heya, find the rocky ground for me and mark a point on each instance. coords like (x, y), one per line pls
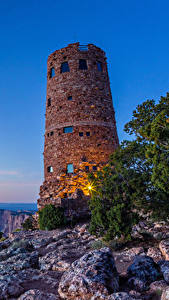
(72, 264)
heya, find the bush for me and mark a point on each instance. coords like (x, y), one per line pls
(98, 244)
(51, 217)
(28, 224)
(17, 230)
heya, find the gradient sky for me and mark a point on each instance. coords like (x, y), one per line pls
(135, 37)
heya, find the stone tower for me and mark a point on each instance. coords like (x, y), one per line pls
(80, 129)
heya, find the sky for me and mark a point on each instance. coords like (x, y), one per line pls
(135, 36)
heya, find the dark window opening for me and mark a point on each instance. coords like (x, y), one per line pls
(48, 134)
(84, 159)
(80, 133)
(60, 107)
(49, 102)
(64, 67)
(98, 145)
(69, 98)
(87, 168)
(70, 168)
(65, 195)
(94, 168)
(88, 133)
(99, 66)
(52, 72)
(51, 133)
(68, 129)
(82, 64)
(50, 169)
(80, 102)
(64, 57)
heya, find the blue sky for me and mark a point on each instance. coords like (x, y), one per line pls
(135, 37)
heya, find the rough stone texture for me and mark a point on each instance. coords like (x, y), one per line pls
(164, 268)
(92, 273)
(37, 295)
(164, 248)
(114, 296)
(142, 272)
(154, 253)
(158, 286)
(165, 294)
(89, 111)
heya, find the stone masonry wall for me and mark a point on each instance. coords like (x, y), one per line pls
(81, 99)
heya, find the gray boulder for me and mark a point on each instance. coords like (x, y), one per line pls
(37, 295)
(164, 268)
(92, 273)
(165, 294)
(142, 272)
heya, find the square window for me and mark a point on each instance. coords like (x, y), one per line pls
(88, 133)
(64, 67)
(50, 169)
(49, 102)
(52, 72)
(70, 168)
(68, 129)
(80, 133)
(94, 168)
(69, 98)
(51, 133)
(82, 64)
(99, 66)
(48, 134)
(87, 168)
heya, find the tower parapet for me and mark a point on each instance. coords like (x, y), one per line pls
(80, 128)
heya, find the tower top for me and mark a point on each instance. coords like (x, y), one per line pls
(78, 47)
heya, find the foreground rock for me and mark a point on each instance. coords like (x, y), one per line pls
(94, 272)
(164, 248)
(32, 266)
(165, 294)
(142, 272)
(37, 295)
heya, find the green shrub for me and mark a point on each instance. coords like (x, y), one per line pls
(28, 224)
(2, 239)
(17, 230)
(98, 244)
(51, 217)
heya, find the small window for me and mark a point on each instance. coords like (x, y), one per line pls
(87, 168)
(70, 168)
(82, 64)
(68, 129)
(80, 133)
(51, 133)
(48, 134)
(94, 168)
(99, 66)
(50, 169)
(52, 72)
(88, 133)
(69, 98)
(64, 67)
(49, 102)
